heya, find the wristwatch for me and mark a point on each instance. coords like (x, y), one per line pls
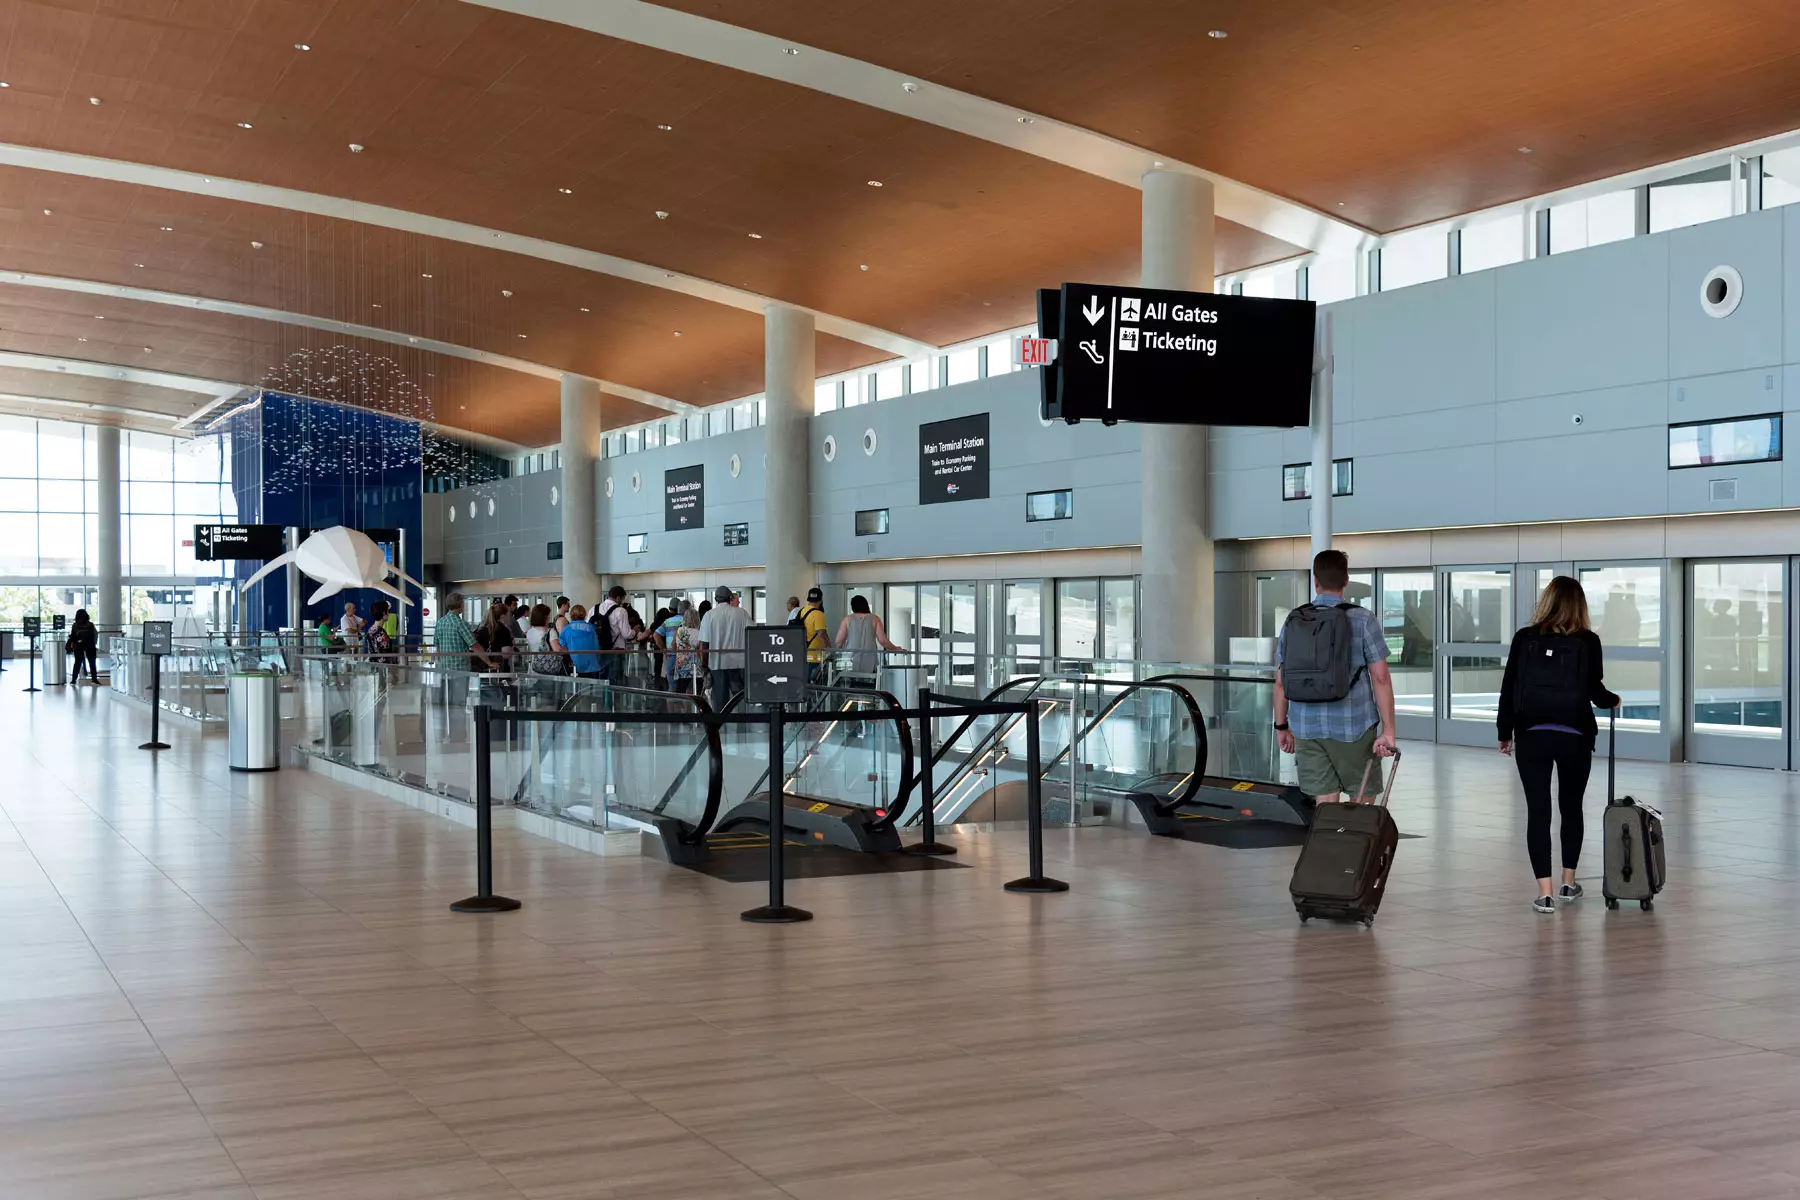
(1281, 727)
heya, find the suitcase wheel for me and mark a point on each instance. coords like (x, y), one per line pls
(1611, 903)
(1646, 905)
(1369, 920)
(1304, 918)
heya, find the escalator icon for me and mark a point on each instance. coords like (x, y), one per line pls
(1092, 350)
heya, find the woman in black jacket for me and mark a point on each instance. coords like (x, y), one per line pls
(84, 644)
(1554, 680)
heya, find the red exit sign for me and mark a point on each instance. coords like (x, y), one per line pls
(1034, 352)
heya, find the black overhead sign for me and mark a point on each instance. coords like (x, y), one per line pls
(684, 498)
(738, 534)
(1177, 358)
(953, 460)
(214, 543)
(774, 664)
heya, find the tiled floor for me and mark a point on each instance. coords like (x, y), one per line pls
(225, 987)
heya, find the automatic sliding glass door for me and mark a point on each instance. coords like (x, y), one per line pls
(1478, 627)
(1408, 611)
(1737, 635)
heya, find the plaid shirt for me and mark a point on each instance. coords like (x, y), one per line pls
(1348, 719)
(453, 640)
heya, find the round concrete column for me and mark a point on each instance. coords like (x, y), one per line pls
(580, 455)
(109, 605)
(787, 453)
(1176, 611)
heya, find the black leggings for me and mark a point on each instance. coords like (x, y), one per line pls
(1535, 752)
(87, 655)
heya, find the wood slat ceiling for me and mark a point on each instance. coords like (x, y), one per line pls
(482, 116)
(366, 275)
(83, 389)
(1403, 112)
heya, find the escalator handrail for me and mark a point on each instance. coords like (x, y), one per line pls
(1165, 806)
(908, 777)
(942, 747)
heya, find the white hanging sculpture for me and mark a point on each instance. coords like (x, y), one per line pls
(341, 558)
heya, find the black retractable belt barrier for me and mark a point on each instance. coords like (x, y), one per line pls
(1036, 881)
(928, 798)
(484, 900)
(155, 742)
(777, 911)
(31, 670)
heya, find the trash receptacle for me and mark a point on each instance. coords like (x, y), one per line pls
(253, 720)
(54, 670)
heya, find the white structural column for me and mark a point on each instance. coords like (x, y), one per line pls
(108, 570)
(788, 353)
(579, 451)
(1177, 607)
(1324, 478)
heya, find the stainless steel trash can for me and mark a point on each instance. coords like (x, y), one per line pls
(54, 670)
(253, 720)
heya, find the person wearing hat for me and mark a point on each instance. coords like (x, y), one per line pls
(818, 637)
(722, 646)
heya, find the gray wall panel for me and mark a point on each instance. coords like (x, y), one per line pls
(1721, 397)
(728, 500)
(1752, 335)
(1640, 406)
(1752, 485)
(1422, 348)
(1591, 319)
(1610, 473)
(523, 522)
(1451, 486)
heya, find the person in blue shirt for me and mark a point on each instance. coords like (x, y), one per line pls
(1333, 741)
(577, 636)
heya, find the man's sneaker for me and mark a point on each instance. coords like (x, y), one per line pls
(1568, 893)
(1544, 904)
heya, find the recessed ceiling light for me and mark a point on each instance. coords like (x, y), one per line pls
(356, 147)
(874, 183)
(1340, 204)
(168, 229)
(301, 46)
(668, 274)
(864, 266)
(48, 213)
(506, 293)
(1524, 149)
(245, 125)
(1157, 163)
(587, 310)
(148, 350)
(661, 215)
(1217, 33)
(1027, 120)
(566, 191)
(256, 245)
(909, 86)
(757, 236)
(81, 339)
(4, 84)
(98, 317)
(374, 306)
(678, 333)
(790, 51)
(425, 275)
(93, 99)
(413, 340)
(666, 128)
(521, 337)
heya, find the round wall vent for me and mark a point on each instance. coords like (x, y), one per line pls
(869, 442)
(555, 495)
(453, 514)
(609, 487)
(490, 506)
(637, 482)
(737, 464)
(830, 447)
(1721, 291)
(471, 510)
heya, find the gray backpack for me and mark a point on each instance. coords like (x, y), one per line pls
(1315, 660)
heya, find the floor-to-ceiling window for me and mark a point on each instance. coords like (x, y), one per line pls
(1737, 618)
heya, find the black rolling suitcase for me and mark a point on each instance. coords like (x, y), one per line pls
(1344, 862)
(1634, 841)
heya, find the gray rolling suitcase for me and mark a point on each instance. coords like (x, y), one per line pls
(1343, 867)
(1634, 841)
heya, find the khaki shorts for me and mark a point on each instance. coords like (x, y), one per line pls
(1328, 767)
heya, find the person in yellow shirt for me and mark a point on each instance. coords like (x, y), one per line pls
(812, 615)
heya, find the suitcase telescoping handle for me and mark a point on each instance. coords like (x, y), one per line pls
(1362, 789)
(1612, 751)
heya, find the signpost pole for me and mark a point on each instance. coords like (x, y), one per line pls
(1324, 473)
(155, 742)
(777, 911)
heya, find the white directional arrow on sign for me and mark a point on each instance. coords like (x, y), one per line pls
(1094, 311)
(778, 679)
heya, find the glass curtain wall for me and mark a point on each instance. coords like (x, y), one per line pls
(1737, 621)
(49, 523)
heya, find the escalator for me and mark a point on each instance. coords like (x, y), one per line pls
(1117, 749)
(845, 784)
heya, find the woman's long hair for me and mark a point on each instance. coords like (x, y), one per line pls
(1563, 608)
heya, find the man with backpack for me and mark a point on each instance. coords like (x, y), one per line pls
(1334, 697)
(612, 629)
(811, 618)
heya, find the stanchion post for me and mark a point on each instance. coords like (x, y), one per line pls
(484, 900)
(155, 742)
(31, 672)
(1036, 881)
(928, 795)
(777, 911)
